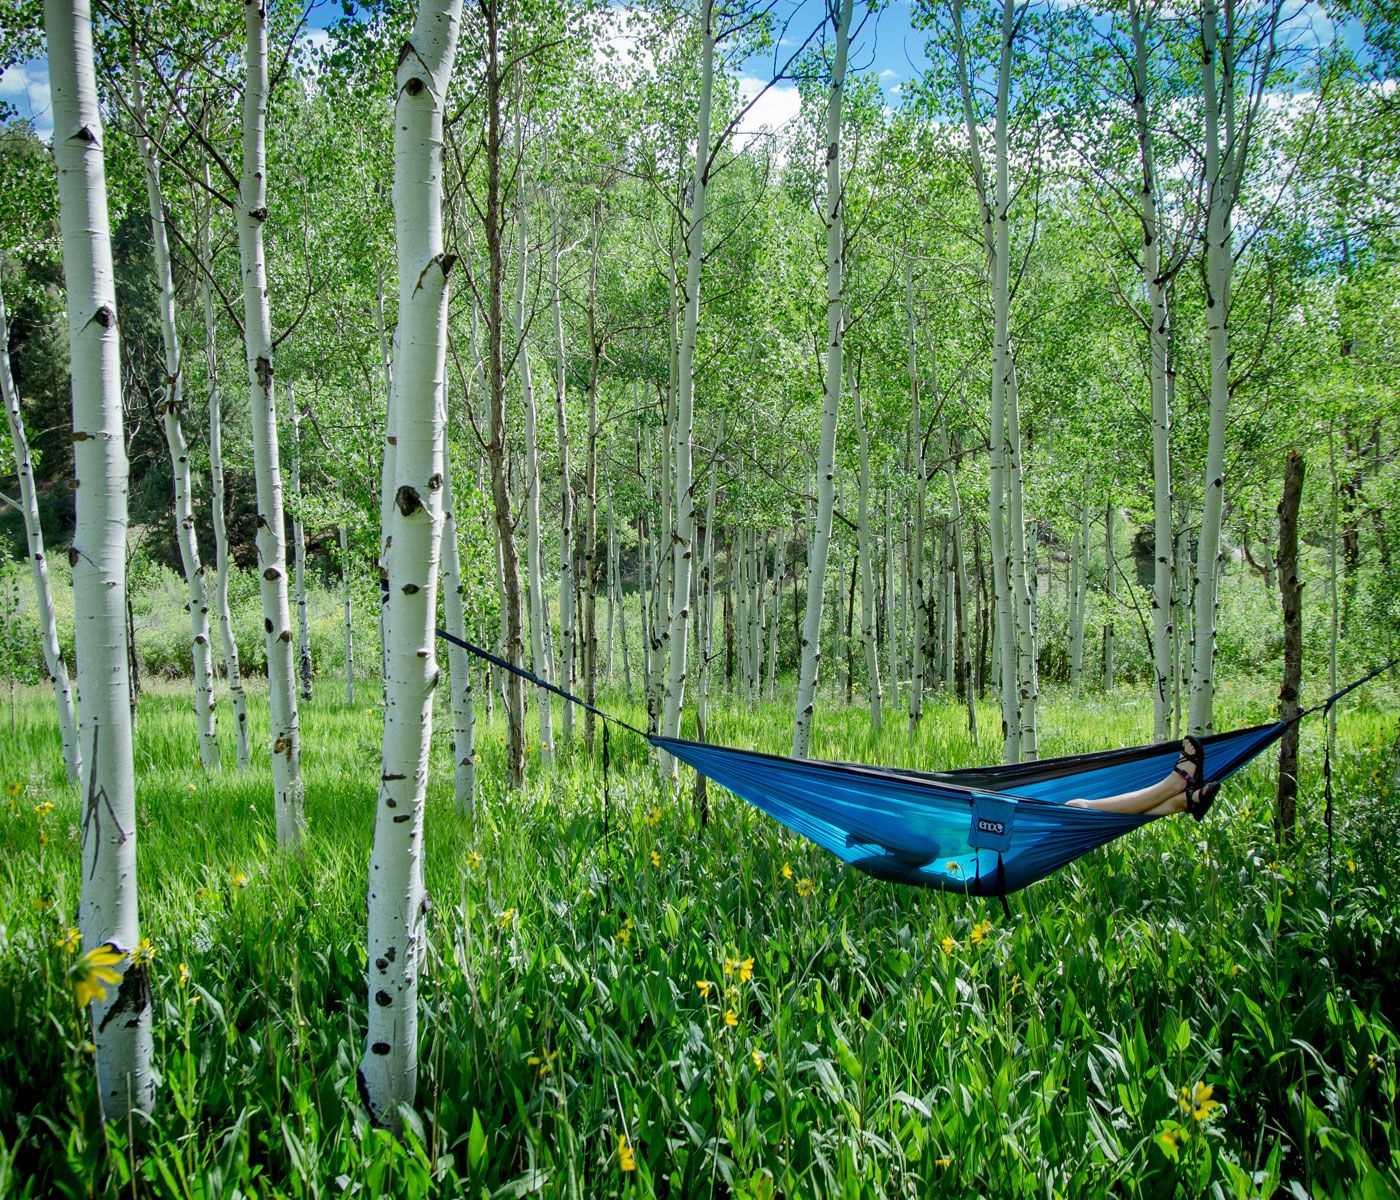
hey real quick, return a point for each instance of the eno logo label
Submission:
(993, 827)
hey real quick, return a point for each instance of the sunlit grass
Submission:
(889, 1041)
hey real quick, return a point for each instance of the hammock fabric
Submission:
(985, 830)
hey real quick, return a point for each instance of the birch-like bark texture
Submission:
(388, 1074)
(346, 581)
(917, 559)
(1110, 593)
(1290, 693)
(459, 665)
(683, 506)
(107, 912)
(38, 564)
(867, 570)
(262, 405)
(1079, 591)
(172, 411)
(1159, 346)
(533, 548)
(228, 644)
(1023, 574)
(963, 596)
(299, 553)
(386, 464)
(891, 607)
(831, 407)
(567, 633)
(997, 241)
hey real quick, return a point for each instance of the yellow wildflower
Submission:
(980, 931)
(943, 1162)
(44, 807)
(1351, 865)
(92, 973)
(1197, 1101)
(473, 860)
(653, 818)
(70, 940)
(758, 1059)
(804, 887)
(952, 867)
(544, 1060)
(505, 918)
(656, 858)
(144, 954)
(624, 935)
(14, 787)
(237, 878)
(787, 871)
(626, 1158)
(43, 839)
(1371, 1061)
(704, 986)
(949, 946)
(1015, 983)
(729, 1018)
(184, 976)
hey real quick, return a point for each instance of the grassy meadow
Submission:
(645, 1006)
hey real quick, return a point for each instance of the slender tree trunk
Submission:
(867, 570)
(1219, 263)
(918, 561)
(567, 626)
(534, 550)
(1079, 590)
(386, 465)
(397, 907)
(891, 607)
(831, 409)
(38, 564)
(1110, 593)
(683, 534)
(1291, 595)
(962, 597)
(172, 414)
(107, 914)
(707, 624)
(299, 553)
(1023, 575)
(216, 497)
(496, 445)
(459, 665)
(346, 581)
(262, 405)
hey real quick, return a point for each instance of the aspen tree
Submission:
(267, 472)
(172, 407)
(299, 553)
(229, 646)
(107, 912)
(459, 666)
(38, 563)
(397, 907)
(840, 13)
(568, 636)
(867, 573)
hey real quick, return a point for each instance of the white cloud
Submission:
(26, 87)
(887, 73)
(772, 110)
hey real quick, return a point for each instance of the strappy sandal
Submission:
(1199, 796)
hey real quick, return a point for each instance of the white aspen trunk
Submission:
(867, 571)
(459, 665)
(171, 411)
(216, 497)
(107, 914)
(964, 597)
(891, 607)
(1334, 619)
(683, 534)
(533, 543)
(1110, 592)
(614, 593)
(299, 553)
(38, 564)
(831, 408)
(1023, 579)
(262, 405)
(1159, 343)
(386, 465)
(567, 624)
(1219, 262)
(777, 618)
(918, 562)
(996, 236)
(346, 584)
(1079, 589)
(388, 1073)
(707, 610)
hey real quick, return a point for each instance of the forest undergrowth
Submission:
(617, 1001)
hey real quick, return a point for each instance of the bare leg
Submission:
(1168, 795)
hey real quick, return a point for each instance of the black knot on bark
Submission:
(271, 574)
(382, 998)
(380, 1048)
(404, 51)
(73, 556)
(410, 589)
(85, 134)
(435, 482)
(259, 214)
(446, 262)
(263, 369)
(408, 501)
(414, 86)
(267, 624)
(105, 316)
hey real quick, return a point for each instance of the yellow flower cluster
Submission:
(44, 807)
(505, 918)
(95, 972)
(758, 1060)
(544, 1060)
(656, 858)
(980, 931)
(473, 860)
(623, 936)
(626, 1157)
(653, 818)
(743, 969)
(1197, 1101)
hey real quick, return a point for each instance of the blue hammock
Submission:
(985, 830)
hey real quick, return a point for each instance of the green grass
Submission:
(1046, 1059)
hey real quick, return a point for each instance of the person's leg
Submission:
(1167, 795)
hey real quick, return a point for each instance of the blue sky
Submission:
(887, 45)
